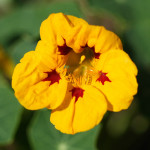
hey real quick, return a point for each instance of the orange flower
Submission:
(78, 70)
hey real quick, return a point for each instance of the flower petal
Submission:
(30, 89)
(93, 35)
(107, 40)
(48, 54)
(70, 28)
(62, 117)
(82, 115)
(55, 28)
(89, 110)
(46, 31)
(59, 28)
(83, 35)
(121, 71)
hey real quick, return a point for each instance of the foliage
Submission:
(10, 113)
(43, 135)
(20, 23)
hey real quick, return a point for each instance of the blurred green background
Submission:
(21, 129)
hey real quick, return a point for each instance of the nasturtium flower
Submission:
(77, 70)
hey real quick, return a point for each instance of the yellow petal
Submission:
(30, 90)
(59, 28)
(61, 25)
(93, 35)
(87, 112)
(46, 31)
(122, 73)
(107, 40)
(82, 35)
(72, 29)
(55, 28)
(76, 21)
(48, 54)
(78, 37)
(62, 117)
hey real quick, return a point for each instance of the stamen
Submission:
(102, 78)
(53, 76)
(79, 69)
(77, 92)
(82, 59)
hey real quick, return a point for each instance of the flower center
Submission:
(79, 69)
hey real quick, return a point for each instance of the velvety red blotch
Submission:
(96, 55)
(77, 92)
(53, 76)
(64, 50)
(102, 78)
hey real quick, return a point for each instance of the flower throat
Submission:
(78, 68)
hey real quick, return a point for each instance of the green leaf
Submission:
(10, 112)
(113, 6)
(29, 18)
(138, 36)
(21, 47)
(5, 3)
(118, 123)
(43, 135)
(130, 10)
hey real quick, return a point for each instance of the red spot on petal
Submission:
(102, 78)
(53, 76)
(64, 50)
(77, 92)
(96, 55)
